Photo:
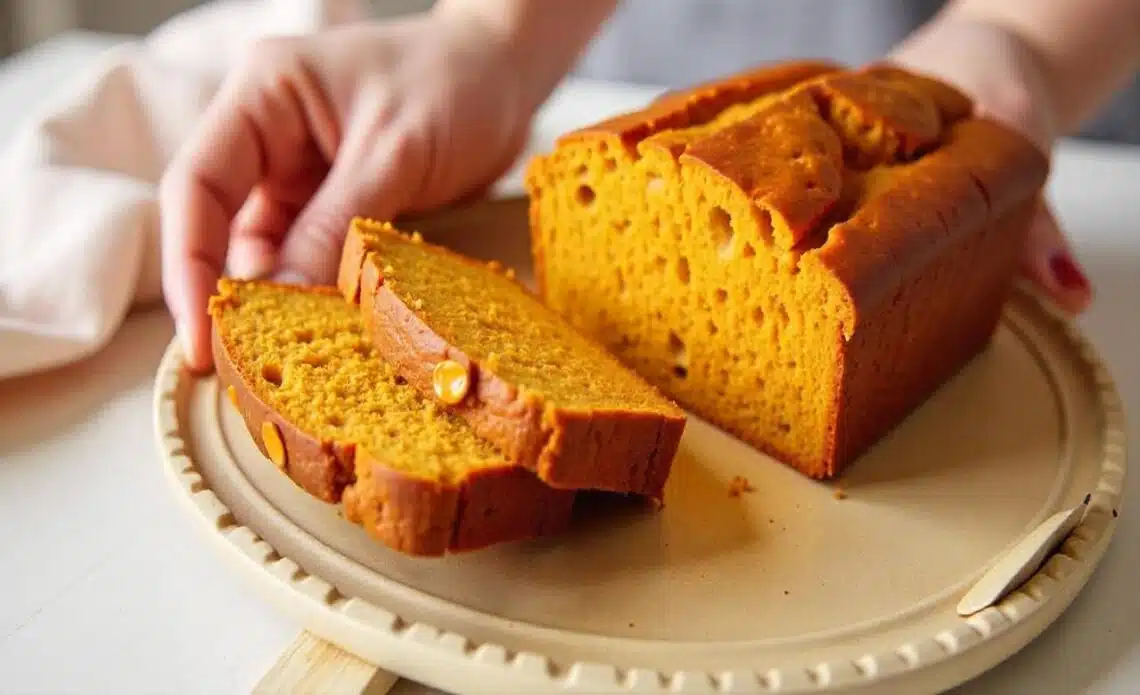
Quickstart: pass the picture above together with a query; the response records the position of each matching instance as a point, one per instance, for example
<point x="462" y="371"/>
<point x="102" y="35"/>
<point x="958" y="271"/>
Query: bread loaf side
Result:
<point x="801" y="254"/>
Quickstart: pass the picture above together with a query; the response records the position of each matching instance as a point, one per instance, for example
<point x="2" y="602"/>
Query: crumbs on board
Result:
<point x="739" y="486"/>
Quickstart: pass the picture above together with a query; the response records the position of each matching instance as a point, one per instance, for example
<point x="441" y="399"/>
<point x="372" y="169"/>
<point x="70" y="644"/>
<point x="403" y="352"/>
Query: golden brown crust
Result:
<point x="951" y="103"/>
<point x="412" y="515"/>
<point x="937" y="320"/>
<point x="795" y="157"/>
<point x="927" y="208"/>
<point x="794" y="170"/>
<point x="702" y="103"/>
<point x="614" y="451"/>
<point x="881" y="121"/>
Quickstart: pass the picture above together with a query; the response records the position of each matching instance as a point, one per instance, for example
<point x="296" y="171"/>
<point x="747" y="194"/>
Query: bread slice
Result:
<point x="548" y="397"/>
<point x="801" y="254"/>
<point x="346" y="428"/>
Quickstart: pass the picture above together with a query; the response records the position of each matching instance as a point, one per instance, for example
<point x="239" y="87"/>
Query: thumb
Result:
<point x="1049" y="263"/>
<point x="375" y="180"/>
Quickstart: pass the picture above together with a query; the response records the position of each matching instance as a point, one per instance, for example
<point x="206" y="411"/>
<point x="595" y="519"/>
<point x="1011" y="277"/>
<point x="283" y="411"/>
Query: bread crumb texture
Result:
<point x="498" y="323"/>
<point x="304" y="354"/>
<point x="732" y="241"/>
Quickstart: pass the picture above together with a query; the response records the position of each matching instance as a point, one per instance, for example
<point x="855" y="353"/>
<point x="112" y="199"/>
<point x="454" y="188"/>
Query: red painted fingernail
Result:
<point x="1067" y="274"/>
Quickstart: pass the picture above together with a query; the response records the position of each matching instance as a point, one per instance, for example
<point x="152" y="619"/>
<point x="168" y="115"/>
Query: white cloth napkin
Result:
<point x="78" y="210"/>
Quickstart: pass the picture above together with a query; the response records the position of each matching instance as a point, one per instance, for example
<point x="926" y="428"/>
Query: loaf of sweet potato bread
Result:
<point x="343" y="425"/>
<point x="551" y="399"/>
<point x="801" y="254"/>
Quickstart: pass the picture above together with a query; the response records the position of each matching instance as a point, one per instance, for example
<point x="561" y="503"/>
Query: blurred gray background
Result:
<point x="24" y="23"/>
<point x="634" y="47"/>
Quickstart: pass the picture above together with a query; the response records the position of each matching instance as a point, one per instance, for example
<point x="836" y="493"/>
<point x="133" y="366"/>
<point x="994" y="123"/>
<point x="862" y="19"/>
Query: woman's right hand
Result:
<point x="375" y="120"/>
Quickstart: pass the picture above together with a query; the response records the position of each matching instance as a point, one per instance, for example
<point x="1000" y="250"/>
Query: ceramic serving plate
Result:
<point x="794" y="586"/>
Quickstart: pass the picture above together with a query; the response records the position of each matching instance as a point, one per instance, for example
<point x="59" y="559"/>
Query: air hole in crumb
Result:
<point x="721" y="295"/>
<point x="335" y="420"/>
<point x="272" y="374"/>
<point x="683" y="270"/>
<point x="659" y="263"/>
<point x="747" y="251"/>
<point x="758" y="315"/>
<point x="713" y="330"/>
<point x="784" y="427"/>
<point x="783" y="315"/>
<point x="611" y="164"/>
<point x="680" y="355"/>
<point x="620" y="280"/>
<point x="621" y="225"/>
<point x="582" y="170"/>
<point x="585" y="195"/>
<point x="797" y="153"/>
<point x="362" y="349"/>
<point x="303" y="335"/>
<point x="400" y="381"/>
<point x="720" y="223"/>
<point x="810" y="185"/>
<point x="791" y="364"/>
<point x="676" y="346"/>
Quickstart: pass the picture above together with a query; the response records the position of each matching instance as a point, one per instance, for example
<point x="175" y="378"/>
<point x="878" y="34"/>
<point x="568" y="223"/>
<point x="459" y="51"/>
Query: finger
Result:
<point x="263" y="222"/>
<point x="256" y="234"/>
<point x="369" y="179"/>
<point x="199" y="200"/>
<point x="1050" y="264"/>
<point x="259" y="127"/>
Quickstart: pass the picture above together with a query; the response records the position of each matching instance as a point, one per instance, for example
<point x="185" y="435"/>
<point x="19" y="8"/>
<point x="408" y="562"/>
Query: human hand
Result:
<point x="1007" y="82"/>
<point x="375" y="120"/>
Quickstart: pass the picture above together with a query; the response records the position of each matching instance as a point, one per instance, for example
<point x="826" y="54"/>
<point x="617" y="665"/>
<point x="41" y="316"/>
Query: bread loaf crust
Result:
<point x="615" y="451"/>
<point x="953" y="209"/>
<point x="412" y="515"/>
<point x="700" y="104"/>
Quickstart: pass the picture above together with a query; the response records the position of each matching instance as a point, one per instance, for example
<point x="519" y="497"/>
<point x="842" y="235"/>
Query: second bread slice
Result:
<point x="548" y="397"/>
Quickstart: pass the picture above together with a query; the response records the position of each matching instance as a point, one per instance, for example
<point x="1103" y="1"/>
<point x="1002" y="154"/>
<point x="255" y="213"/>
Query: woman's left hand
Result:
<point x="1004" y="77"/>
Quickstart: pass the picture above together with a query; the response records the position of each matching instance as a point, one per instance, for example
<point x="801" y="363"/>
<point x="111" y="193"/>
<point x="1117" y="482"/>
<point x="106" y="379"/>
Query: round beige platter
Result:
<point x="795" y="586"/>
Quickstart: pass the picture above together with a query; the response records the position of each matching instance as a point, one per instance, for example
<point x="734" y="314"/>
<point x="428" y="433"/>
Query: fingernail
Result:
<point x="186" y="342"/>
<point x="249" y="272"/>
<point x="1067" y="274"/>
<point x="290" y="277"/>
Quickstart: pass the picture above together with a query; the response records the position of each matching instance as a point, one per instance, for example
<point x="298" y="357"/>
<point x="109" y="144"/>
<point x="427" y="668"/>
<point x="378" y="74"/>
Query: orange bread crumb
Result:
<point x="801" y="254"/>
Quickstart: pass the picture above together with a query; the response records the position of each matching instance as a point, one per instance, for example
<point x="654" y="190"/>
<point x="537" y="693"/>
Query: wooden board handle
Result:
<point x="312" y="666"/>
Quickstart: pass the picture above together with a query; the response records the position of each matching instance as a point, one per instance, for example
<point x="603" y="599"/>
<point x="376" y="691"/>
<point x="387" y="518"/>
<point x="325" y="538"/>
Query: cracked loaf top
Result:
<point x="867" y="172"/>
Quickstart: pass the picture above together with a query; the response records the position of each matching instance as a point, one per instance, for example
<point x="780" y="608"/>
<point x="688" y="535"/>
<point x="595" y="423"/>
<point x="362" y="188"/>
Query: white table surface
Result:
<point x="98" y="599"/>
